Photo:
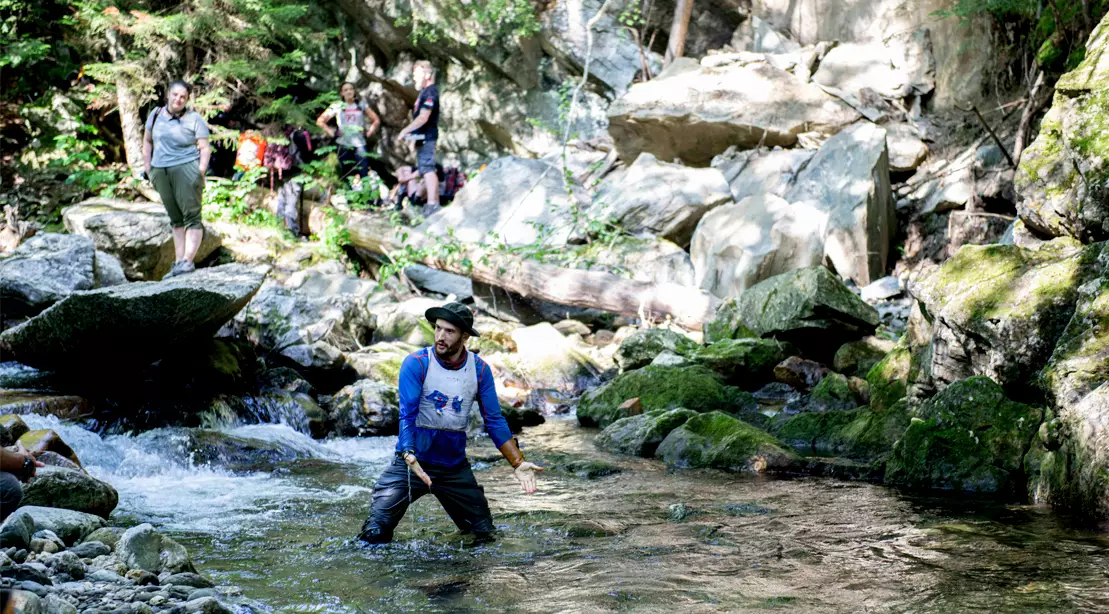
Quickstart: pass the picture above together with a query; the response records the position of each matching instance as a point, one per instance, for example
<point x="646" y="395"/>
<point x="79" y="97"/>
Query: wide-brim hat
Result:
<point x="455" y="313"/>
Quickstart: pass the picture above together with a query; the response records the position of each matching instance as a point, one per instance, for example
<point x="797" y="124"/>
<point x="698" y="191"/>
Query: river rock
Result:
<point x="859" y="434"/>
<point x="15" y="426"/>
<point x="1061" y="181"/>
<point x="16" y="531"/>
<point x="69" y="525"/>
<point x="67" y="563"/>
<point x="405" y="322"/>
<point x="138" y="233"/>
<point x="108" y="536"/>
<point x="718" y="440"/>
<point x="69" y="489"/>
<point x="694" y="112"/>
<point x="381" y="361"/>
<point x="142" y="547"/>
<point x="510" y="201"/>
<point x="641" y="435"/>
<point x="859" y="357"/>
<point x="206" y="605"/>
<point x="194" y="580"/>
<point x="43" y="270"/>
<point x="755" y="172"/>
<point x="43" y="440"/>
<point x="90" y="549"/>
<point x="216" y="448"/>
<point x="667" y="200"/>
<point x="89" y="328"/>
<point x="998" y="310"/>
<point x="64" y="407"/>
<point x="25" y="602"/>
<point x="810" y="308"/>
<point x="969" y="437"/>
<point x="737" y="246"/>
<point x="848" y="179"/>
<point x="645" y="344"/>
<point x="695" y="388"/>
<point x="545" y="359"/>
<point x="365" y="408"/>
<point x="800" y="373"/>
<point x="57" y="605"/>
<point x="440" y="282"/>
<point x="906" y="149"/>
<point x="747" y="363"/>
<point x="833" y="393"/>
<point x="108" y="270"/>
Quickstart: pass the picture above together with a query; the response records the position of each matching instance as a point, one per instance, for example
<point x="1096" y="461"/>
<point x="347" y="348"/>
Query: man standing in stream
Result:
<point x="438" y="387"/>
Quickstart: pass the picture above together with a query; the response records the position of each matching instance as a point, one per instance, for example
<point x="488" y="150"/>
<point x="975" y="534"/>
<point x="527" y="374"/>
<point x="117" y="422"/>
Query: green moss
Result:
<point x="15" y="425"/>
<point x="642" y="346"/>
<point x="831" y="394"/>
<point x="640" y="435"/>
<point x="887" y="379"/>
<point x="718" y="440"/>
<point x="658" y="387"/>
<point x="857" y="434"/>
<point x="727" y="324"/>
<point x="1080" y="361"/>
<point x="859" y="357"/>
<point x="969" y="437"/>
<point x="747" y="363"/>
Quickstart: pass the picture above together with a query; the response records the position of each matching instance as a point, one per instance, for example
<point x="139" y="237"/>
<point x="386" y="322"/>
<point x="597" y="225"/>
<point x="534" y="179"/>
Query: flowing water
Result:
<point x="604" y="534"/>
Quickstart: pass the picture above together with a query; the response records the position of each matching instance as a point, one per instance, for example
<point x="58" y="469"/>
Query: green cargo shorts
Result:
<point x="181" y="188"/>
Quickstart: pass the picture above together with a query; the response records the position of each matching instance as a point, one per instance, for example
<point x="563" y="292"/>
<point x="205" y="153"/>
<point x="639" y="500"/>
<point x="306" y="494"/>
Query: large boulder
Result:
<point x="860" y="434"/>
<point x="969" y="437"/>
<point x="365" y="408"/>
<point x="134" y="323"/>
<point x="43" y="270"/>
<point x="737" y="246"/>
<point x="71" y="526"/>
<point x="754" y="172"/>
<point x="514" y="200"/>
<point x="848" y="179"/>
<point x="71" y="490"/>
<point x="546" y="359"/>
<point x="657" y="387"/>
<point x="747" y="363"/>
<point x="859" y="357"/>
<point x="405" y="322"/>
<point x="810" y="308"/>
<point x="40" y="441"/>
<point x="641" y="258"/>
<point x="1063" y="178"/>
<point x="142" y="547"/>
<point x="381" y="361"/>
<point x="853" y="67"/>
<point x="998" y="310"/>
<point x="660" y="198"/>
<point x="16" y="531"/>
<point x="640" y="435"/>
<point x="694" y="112"/>
<point x="718" y="440"/>
<point x="644" y="345"/>
<point x="138" y="233"/>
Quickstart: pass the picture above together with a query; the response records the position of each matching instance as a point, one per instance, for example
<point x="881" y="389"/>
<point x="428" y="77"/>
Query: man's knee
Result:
<point x="11" y="494"/>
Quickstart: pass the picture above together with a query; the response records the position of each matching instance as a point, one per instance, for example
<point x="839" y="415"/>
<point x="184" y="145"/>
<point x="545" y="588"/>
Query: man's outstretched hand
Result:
<point x="525" y="474"/>
<point x="414" y="466"/>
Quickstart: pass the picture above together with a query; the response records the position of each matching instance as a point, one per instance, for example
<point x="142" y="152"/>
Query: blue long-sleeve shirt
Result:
<point x="436" y="447"/>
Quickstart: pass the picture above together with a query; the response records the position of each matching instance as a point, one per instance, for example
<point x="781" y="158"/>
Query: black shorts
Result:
<point x="425" y="157"/>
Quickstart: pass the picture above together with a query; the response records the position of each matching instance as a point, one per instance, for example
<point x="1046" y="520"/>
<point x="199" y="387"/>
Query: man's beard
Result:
<point x="450" y="352"/>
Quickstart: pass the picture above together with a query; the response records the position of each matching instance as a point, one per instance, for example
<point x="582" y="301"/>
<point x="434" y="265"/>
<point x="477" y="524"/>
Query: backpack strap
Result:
<point x="155" y="120"/>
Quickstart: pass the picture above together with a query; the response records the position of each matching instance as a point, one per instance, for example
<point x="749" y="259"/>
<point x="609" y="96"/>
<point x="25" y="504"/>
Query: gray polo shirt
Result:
<point x="175" y="137"/>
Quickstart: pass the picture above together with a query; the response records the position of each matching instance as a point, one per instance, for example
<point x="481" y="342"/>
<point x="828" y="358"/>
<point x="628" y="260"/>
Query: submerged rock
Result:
<point x="43" y="270"/>
<point x="810" y="308"/>
<point x="718" y="440"/>
<point x="641" y="347"/>
<point x="138" y="233"/>
<point x="641" y="435"/>
<point x="72" y="490"/>
<point x="132" y="324"/>
<point x="695" y="388"/>
<point x="969" y="437"/>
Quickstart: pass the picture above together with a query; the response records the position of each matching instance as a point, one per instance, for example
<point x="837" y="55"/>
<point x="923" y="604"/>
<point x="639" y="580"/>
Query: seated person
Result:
<point x="409" y="185"/>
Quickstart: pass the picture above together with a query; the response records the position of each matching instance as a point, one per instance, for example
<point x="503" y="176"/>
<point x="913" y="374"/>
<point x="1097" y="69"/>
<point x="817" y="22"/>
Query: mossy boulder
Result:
<point x="810" y="308"/>
<point x="859" y="433"/>
<point x="1062" y="181"/>
<point x="747" y="363"/>
<point x="641" y="435"/>
<point x="859" y="357"/>
<point x="365" y="408"/>
<point x="15" y="425"/>
<point x="642" y="346"/>
<point x="1080" y="360"/>
<point x="833" y="393"/>
<point x="381" y="361"/>
<point x="694" y="388"/>
<point x="720" y="441"/>
<point x="969" y="437"/>
<point x="47" y="440"/>
<point x="998" y="310"/>
<point x="70" y="489"/>
<point x="888" y="380"/>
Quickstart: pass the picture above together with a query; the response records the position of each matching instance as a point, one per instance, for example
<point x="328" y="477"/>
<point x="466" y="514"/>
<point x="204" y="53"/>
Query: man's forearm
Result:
<point x="415" y="125"/>
<point x="511" y="452"/>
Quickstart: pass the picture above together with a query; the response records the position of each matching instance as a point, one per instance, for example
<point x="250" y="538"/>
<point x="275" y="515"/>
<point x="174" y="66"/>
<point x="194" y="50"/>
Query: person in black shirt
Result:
<point x="424" y="130"/>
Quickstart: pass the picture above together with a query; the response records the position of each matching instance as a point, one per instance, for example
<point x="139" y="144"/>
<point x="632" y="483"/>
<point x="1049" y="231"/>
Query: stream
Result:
<point x="604" y="534"/>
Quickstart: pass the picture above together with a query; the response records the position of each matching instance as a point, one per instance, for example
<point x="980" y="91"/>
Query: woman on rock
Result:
<point x="356" y="122"/>
<point x="175" y="153"/>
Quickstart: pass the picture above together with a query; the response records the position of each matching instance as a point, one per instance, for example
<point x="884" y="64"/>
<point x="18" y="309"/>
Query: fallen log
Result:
<point x="687" y="307"/>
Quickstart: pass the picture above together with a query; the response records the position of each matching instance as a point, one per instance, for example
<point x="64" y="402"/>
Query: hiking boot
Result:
<point x="174" y="270"/>
<point x="430" y="209"/>
<point x="186" y="267"/>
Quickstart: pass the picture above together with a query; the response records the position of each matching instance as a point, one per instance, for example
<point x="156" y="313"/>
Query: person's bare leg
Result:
<point x="431" y="180"/>
<point x="178" y="244"/>
<point x="193" y="237"/>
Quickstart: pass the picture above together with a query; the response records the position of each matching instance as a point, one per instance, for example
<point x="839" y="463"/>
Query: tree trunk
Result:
<point x="128" y="103"/>
<point x="685" y="306"/>
<point x="678" y="30"/>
